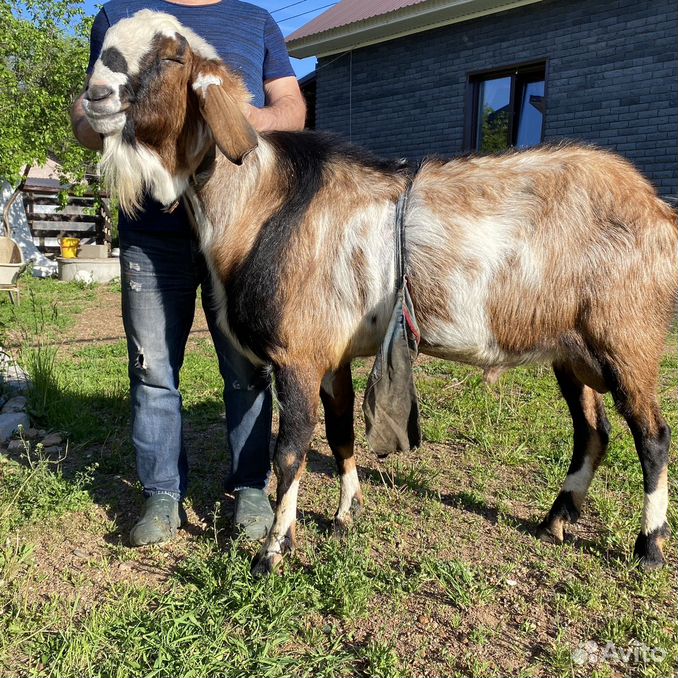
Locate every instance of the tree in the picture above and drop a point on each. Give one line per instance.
(43, 57)
(494, 131)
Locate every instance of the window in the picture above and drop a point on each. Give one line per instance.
(505, 109)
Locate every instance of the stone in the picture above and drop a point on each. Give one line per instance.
(84, 277)
(53, 450)
(51, 440)
(13, 379)
(81, 553)
(16, 404)
(15, 446)
(10, 423)
(31, 434)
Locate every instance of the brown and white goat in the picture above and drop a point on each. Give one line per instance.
(563, 254)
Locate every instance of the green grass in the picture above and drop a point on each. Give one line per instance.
(35, 490)
(440, 576)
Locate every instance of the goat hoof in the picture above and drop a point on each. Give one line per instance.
(266, 564)
(341, 526)
(648, 548)
(551, 531)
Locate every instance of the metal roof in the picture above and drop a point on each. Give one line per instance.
(355, 23)
(349, 12)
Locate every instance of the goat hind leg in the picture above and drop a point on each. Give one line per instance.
(298, 396)
(652, 437)
(338, 397)
(591, 436)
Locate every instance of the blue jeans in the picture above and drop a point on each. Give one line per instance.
(160, 275)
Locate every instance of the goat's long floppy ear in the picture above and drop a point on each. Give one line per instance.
(234, 136)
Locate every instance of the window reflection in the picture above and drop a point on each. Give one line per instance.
(493, 119)
(531, 115)
(507, 109)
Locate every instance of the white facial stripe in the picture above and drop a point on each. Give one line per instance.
(133, 36)
(104, 74)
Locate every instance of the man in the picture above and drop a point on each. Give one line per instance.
(161, 268)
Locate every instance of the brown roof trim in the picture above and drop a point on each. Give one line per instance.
(323, 36)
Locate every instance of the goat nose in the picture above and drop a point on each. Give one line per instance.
(99, 92)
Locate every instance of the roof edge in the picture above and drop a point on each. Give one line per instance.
(396, 24)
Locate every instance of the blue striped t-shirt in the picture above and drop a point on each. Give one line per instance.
(245, 36)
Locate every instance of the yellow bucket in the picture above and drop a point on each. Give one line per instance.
(69, 247)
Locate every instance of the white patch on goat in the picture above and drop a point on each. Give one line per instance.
(486, 246)
(285, 517)
(655, 506)
(350, 488)
(578, 482)
(129, 170)
(203, 81)
(370, 235)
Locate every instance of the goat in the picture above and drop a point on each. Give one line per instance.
(561, 254)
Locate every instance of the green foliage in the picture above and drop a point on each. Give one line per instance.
(38, 490)
(43, 58)
(464, 586)
(215, 620)
(494, 131)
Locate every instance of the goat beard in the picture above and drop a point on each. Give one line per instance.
(131, 171)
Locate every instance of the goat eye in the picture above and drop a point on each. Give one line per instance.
(174, 59)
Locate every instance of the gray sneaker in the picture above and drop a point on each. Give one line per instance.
(253, 515)
(159, 521)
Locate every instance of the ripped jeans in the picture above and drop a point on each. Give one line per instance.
(160, 275)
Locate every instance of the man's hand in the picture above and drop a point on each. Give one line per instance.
(82, 129)
(285, 107)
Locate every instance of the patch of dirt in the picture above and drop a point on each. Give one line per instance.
(102, 323)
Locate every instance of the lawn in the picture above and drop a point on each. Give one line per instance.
(441, 576)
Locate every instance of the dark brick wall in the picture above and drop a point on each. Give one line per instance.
(611, 79)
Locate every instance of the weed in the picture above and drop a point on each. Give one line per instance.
(14, 556)
(38, 490)
(464, 586)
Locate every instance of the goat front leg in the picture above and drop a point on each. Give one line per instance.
(297, 393)
(338, 397)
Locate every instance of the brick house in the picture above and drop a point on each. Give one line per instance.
(411, 78)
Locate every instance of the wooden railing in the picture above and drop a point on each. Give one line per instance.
(84, 217)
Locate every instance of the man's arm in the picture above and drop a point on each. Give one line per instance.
(82, 129)
(285, 108)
